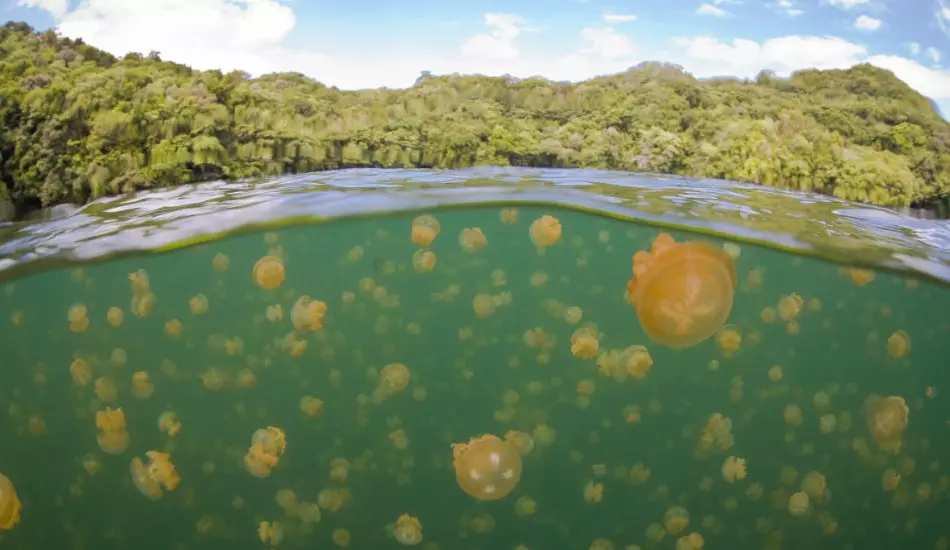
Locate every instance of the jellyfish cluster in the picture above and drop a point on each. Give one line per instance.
(746, 400)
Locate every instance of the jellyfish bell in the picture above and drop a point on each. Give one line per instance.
(9, 504)
(683, 292)
(143, 481)
(487, 468)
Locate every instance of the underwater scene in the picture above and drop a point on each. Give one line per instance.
(543, 360)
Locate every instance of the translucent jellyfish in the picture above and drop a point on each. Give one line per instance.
(898, 345)
(143, 482)
(526, 506)
(268, 272)
(425, 229)
(115, 316)
(593, 492)
(142, 386)
(545, 231)
(799, 504)
(585, 343)
(139, 282)
(274, 313)
(472, 239)
(486, 468)
(692, 541)
(308, 314)
(311, 406)
(789, 306)
(521, 440)
(142, 305)
(775, 373)
(423, 260)
(309, 512)
(408, 531)
(729, 339)
(483, 305)
(287, 500)
(814, 485)
(733, 469)
(508, 216)
(220, 262)
(675, 520)
(271, 533)
(392, 379)
(173, 329)
(792, 415)
(887, 419)
(267, 445)
(637, 361)
(81, 372)
(168, 423)
(682, 292)
(341, 537)
(890, 479)
(198, 304)
(78, 318)
(9, 504)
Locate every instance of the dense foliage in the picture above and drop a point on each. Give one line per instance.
(79, 123)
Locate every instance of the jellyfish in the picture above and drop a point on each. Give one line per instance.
(487, 468)
(143, 482)
(887, 419)
(733, 469)
(307, 314)
(423, 260)
(169, 423)
(268, 272)
(408, 531)
(9, 504)
(472, 239)
(545, 231)
(392, 379)
(682, 292)
(425, 229)
(272, 533)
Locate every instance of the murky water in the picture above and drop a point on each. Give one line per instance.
(300, 383)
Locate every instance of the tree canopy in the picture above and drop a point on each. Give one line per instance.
(79, 123)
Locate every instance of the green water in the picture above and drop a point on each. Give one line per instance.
(462, 369)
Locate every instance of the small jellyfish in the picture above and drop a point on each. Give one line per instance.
(308, 314)
(9, 504)
(173, 329)
(268, 272)
(115, 316)
(392, 379)
(423, 260)
(220, 262)
(198, 304)
(142, 386)
(81, 372)
(887, 418)
(545, 231)
(799, 504)
(168, 423)
(675, 520)
(272, 533)
(425, 229)
(408, 531)
(142, 305)
(311, 406)
(682, 292)
(508, 216)
(526, 506)
(487, 468)
(593, 492)
(472, 239)
(341, 537)
(143, 482)
(733, 469)
(585, 343)
(898, 345)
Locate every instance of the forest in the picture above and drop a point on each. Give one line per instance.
(79, 123)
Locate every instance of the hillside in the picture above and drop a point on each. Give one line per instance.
(79, 123)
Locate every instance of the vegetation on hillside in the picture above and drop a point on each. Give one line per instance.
(79, 123)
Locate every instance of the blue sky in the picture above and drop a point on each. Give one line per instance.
(383, 43)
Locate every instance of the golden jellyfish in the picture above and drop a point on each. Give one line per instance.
(593, 492)
(139, 282)
(220, 262)
(423, 261)
(814, 485)
(78, 318)
(486, 468)
(81, 372)
(267, 445)
(168, 423)
(408, 531)
(115, 316)
(898, 345)
(789, 306)
(526, 506)
(272, 533)
(393, 379)
(142, 386)
(113, 437)
(307, 314)
(483, 305)
(890, 479)
(198, 304)
(887, 419)
(472, 239)
(274, 313)
(545, 231)
(268, 272)
(173, 329)
(729, 339)
(142, 305)
(637, 361)
(861, 277)
(521, 440)
(675, 520)
(733, 469)
(425, 229)
(585, 343)
(683, 292)
(311, 406)
(508, 216)
(799, 504)
(143, 482)
(9, 504)
(309, 512)
(341, 537)
(692, 541)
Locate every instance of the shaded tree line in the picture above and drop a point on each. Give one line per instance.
(79, 123)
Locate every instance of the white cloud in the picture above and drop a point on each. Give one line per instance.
(933, 54)
(605, 42)
(942, 9)
(619, 18)
(709, 9)
(789, 8)
(914, 48)
(56, 8)
(499, 43)
(930, 82)
(867, 23)
(847, 4)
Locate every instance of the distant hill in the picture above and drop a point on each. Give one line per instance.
(78, 123)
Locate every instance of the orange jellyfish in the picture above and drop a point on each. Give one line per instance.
(268, 272)
(9, 504)
(408, 531)
(682, 292)
(887, 419)
(487, 468)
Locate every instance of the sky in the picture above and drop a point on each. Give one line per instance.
(372, 43)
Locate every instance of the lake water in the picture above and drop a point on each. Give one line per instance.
(475, 359)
